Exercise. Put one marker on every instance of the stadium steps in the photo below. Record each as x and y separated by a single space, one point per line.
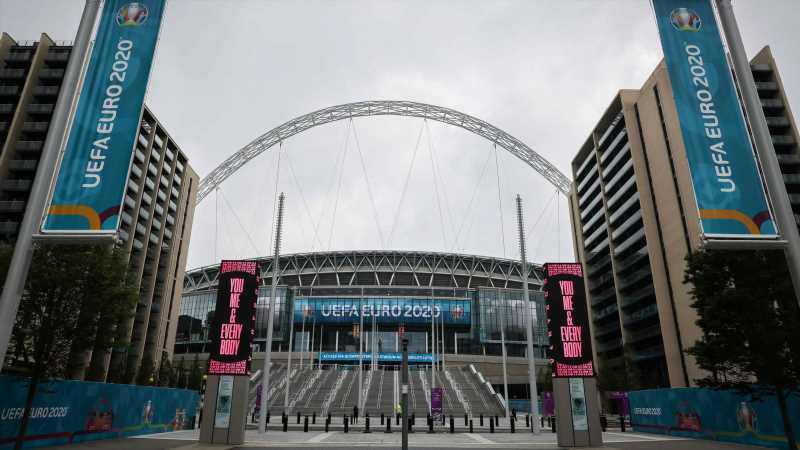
340 404
316 396
452 406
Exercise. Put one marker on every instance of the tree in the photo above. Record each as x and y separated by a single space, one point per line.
623 377
195 381
146 372
67 288
751 324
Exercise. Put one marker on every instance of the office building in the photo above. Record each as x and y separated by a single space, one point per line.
156 219
635 219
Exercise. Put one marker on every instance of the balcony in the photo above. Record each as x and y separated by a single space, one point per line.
19 56
788 158
3 127
771 104
766 86
643 334
46 91
23 165
51 74
17 185
57 56
760 68
35 108
642 314
791 178
9 91
8 227
12 206
605 312
6 108
783 140
612 344
635 297
655 351
12 74
29 146
777 122
606 329
35 127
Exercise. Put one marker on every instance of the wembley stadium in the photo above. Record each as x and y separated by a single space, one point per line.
455 310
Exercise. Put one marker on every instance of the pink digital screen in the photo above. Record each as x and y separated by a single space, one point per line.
570 349
234 318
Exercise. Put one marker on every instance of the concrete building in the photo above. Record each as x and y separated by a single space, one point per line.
635 219
159 203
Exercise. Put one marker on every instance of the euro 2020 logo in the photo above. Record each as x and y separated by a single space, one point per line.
132 15
685 19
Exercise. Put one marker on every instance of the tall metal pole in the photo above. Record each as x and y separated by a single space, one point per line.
433 344
262 416
302 338
321 339
360 348
23 249
503 352
763 141
289 362
529 321
442 348
404 394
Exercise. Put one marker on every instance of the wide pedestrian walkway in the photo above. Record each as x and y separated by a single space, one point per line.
187 440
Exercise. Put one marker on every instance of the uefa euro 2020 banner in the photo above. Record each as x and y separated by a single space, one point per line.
94 168
730 196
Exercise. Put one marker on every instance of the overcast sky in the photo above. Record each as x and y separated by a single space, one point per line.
228 71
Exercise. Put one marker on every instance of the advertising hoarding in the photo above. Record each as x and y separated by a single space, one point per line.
68 411
570 350
730 196
384 310
94 167
232 331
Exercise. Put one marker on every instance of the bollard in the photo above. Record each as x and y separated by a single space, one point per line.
443 416
305 425
398 420
481 422
298 417
452 425
413 418
527 421
622 423
346 424
470 425
388 425
491 425
604 422
553 422
286 424
268 416
542 421
366 424
381 418
465 420
513 425
327 424
496 421
410 425
430 424
314 418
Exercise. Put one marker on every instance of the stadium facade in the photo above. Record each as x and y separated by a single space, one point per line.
322 297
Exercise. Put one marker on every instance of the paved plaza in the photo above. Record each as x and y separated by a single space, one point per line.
187 440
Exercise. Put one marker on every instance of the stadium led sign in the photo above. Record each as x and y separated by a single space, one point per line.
383 310
232 330
570 350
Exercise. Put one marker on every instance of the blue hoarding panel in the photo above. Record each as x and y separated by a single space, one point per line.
74 411
382 357
94 168
730 196
712 414
385 310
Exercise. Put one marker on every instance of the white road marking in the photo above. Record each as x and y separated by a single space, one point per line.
480 439
319 438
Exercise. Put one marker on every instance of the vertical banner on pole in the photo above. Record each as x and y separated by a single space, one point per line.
570 350
436 404
578 404
90 186
728 189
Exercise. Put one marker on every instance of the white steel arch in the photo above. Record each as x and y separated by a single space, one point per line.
382 108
